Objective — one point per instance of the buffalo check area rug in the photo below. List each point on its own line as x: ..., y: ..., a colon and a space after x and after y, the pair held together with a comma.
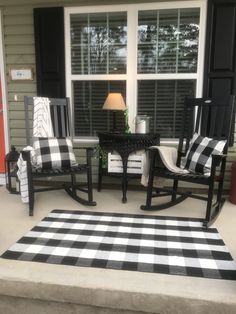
x: 156, y: 244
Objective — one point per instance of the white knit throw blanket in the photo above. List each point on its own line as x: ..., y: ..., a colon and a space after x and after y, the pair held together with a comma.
x: 42, y: 127
x: 169, y: 158
x: 42, y: 123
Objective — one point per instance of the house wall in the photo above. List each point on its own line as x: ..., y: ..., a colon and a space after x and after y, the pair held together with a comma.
x: 18, y: 38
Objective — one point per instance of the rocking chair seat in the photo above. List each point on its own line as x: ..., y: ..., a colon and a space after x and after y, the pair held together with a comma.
x: 201, y: 178
x: 39, y: 172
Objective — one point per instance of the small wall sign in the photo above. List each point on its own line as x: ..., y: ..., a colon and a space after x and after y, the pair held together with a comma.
x: 21, y: 74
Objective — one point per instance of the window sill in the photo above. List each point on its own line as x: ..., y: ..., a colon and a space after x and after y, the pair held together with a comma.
x: 94, y: 140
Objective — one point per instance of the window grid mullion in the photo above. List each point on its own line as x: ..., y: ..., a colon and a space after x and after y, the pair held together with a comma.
x: 177, y: 42
x: 157, y: 41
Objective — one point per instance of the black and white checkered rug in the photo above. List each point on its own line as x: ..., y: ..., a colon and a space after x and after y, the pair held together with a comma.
x: 169, y: 245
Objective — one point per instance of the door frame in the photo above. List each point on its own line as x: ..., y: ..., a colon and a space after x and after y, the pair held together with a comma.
x: 4, y: 96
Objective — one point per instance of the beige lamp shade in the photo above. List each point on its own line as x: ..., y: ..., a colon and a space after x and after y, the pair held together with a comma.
x: 114, y: 101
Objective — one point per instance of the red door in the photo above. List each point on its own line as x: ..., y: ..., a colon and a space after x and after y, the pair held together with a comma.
x: 2, y: 143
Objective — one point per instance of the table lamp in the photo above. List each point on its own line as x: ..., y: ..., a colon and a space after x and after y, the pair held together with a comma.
x: 114, y: 102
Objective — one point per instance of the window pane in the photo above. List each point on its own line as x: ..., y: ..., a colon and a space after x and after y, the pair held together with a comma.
x: 98, y: 43
x: 89, y: 97
x: 163, y: 100
x: 168, y: 41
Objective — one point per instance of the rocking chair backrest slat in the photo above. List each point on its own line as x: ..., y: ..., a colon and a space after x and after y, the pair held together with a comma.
x: 60, y: 116
x: 213, y: 122
x: 199, y: 113
x: 202, y: 128
x: 213, y: 118
x: 63, y: 122
x: 189, y: 126
x: 187, y: 131
x: 54, y: 118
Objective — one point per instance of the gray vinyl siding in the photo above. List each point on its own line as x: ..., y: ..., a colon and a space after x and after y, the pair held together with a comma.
x: 18, y: 36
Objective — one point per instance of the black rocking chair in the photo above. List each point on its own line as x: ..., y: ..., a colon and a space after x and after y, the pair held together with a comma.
x: 209, y: 118
x: 60, y: 116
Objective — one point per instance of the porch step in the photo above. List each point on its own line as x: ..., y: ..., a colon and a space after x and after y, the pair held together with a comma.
x: 26, y: 288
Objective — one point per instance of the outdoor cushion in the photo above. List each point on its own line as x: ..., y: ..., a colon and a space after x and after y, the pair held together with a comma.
x: 199, y: 155
x: 54, y: 153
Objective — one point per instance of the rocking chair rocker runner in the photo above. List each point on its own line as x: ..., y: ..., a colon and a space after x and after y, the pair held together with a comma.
x: 211, y: 121
x: 60, y: 118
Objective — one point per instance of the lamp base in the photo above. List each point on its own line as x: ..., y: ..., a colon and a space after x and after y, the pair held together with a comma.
x: 114, y: 130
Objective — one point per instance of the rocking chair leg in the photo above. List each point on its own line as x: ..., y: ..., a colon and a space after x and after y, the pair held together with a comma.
x: 89, y: 182
x: 149, y: 190
x: 31, y: 203
x: 220, y: 200
x: 209, y: 203
x: 175, y: 187
x: 150, y: 184
x: 220, y: 184
x: 73, y: 184
x: 218, y: 205
x: 219, y: 192
x: 30, y: 189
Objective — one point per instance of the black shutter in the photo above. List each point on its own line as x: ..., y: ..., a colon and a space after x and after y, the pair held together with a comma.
x: 220, y: 55
x: 49, y: 51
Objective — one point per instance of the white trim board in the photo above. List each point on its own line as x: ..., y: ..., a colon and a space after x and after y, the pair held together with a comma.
x: 3, y: 83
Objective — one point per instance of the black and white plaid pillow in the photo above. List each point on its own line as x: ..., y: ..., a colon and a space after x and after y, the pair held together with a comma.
x: 198, y: 158
x: 54, y: 153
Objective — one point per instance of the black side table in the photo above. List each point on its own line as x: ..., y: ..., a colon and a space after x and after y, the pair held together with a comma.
x: 124, y: 144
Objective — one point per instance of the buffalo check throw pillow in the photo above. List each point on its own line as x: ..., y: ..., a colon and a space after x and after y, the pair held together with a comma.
x: 54, y: 153
x: 199, y: 156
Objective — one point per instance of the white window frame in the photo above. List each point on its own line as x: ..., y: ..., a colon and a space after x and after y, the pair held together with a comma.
x: 4, y: 96
x: 131, y: 75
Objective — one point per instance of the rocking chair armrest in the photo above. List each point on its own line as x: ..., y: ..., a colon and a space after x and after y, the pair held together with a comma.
x: 89, y: 150
x: 153, y: 151
x: 26, y: 155
x: 152, y: 148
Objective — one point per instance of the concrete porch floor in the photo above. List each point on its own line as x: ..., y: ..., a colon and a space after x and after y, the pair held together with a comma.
x: 31, y: 287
